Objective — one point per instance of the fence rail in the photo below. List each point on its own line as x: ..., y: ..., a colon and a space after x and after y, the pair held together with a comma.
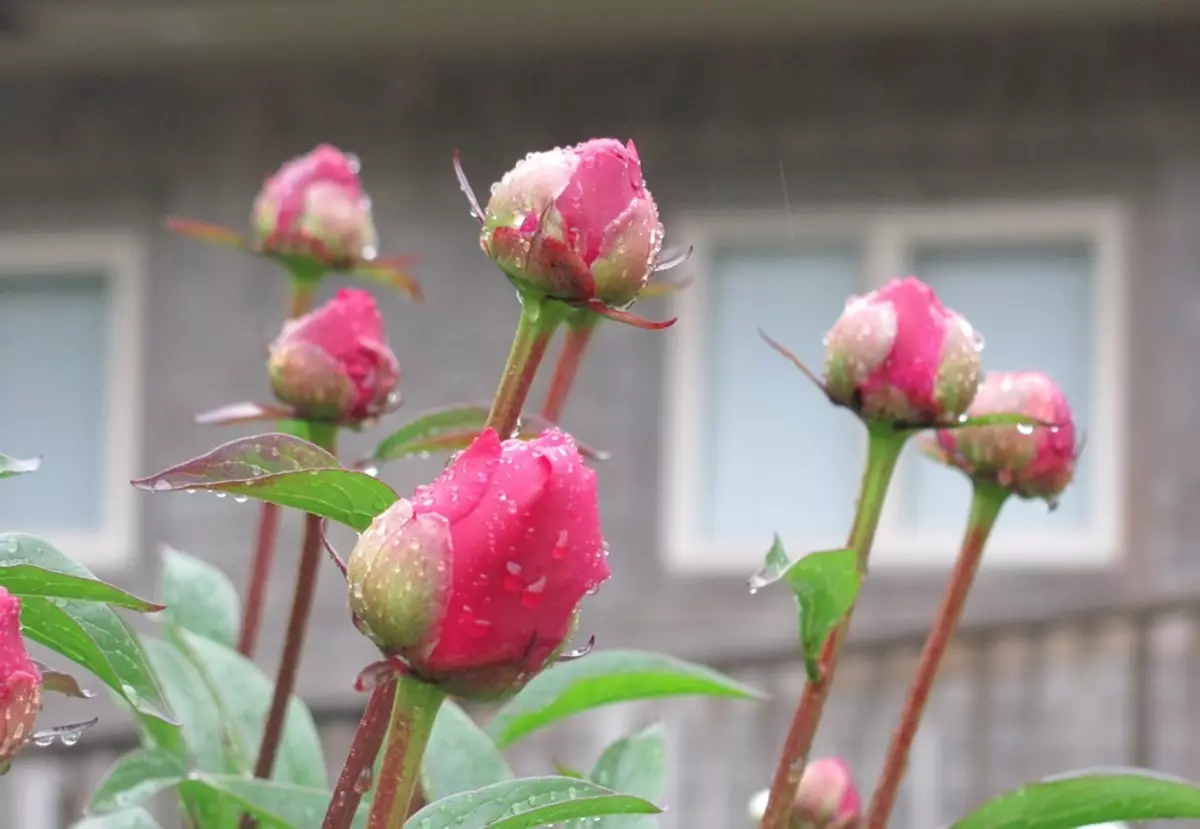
x: 1019, y: 698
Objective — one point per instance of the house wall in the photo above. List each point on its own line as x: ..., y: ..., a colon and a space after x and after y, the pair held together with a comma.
x: 1096, y: 112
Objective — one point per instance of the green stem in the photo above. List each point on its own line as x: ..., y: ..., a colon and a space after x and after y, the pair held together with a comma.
x: 580, y: 327
x: 539, y: 319
x: 987, y: 501
x: 884, y: 445
x: 300, y: 295
x: 413, y: 713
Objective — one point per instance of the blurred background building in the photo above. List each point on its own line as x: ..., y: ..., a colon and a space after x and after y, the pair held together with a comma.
x: 1038, y: 163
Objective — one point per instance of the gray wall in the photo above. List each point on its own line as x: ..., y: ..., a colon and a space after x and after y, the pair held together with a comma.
x: 1089, y: 113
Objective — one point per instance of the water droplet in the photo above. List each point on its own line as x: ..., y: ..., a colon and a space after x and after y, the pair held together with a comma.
x: 43, y: 740
x: 354, y: 163
x: 221, y: 494
x: 1025, y: 428
x: 161, y: 485
x: 373, y: 471
x: 363, y: 783
x: 190, y: 491
x: 513, y: 568
x: 241, y: 499
x: 70, y: 738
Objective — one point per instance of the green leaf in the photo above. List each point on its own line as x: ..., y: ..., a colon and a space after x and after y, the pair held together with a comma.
x: 605, y: 677
x: 127, y: 819
x: 137, y: 777
x: 199, y: 597
x: 202, y: 741
x: 1087, y: 799
x: 10, y: 466
x: 92, y: 636
x: 276, y: 805
x: 285, y: 470
x: 633, y: 765
x: 30, y: 566
x: 533, y: 801
x: 460, y: 756
x: 825, y: 584
x: 416, y: 436
x: 244, y: 695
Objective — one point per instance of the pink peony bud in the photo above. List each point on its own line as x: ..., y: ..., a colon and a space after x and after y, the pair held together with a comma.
x: 826, y: 797
x: 898, y: 355
x: 315, y: 207
x: 475, y: 584
x: 333, y: 363
x: 576, y: 224
x: 20, y: 682
x: 1032, y: 461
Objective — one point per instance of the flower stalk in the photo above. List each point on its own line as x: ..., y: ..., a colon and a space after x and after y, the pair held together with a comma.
x: 539, y: 319
x: 325, y: 436
x: 580, y: 327
x: 354, y: 781
x: 986, y: 503
x: 413, y: 713
x: 885, y: 443
x: 300, y: 298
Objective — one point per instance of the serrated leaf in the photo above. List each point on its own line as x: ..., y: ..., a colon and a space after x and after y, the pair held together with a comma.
x: 633, y: 765
x: 135, y: 778
x: 10, y: 466
x: 30, y: 566
x: 284, y: 470
x: 92, y: 636
x: 199, y: 597
x: 126, y: 819
x: 277, y: 805
x: 825, y: 585
x: 533, y: 801
x: 605, y: 677
x: 460, y: 756
x: 244, y: 694
x: 1087, y: 799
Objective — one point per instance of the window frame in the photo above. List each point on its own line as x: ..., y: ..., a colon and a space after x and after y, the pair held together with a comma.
x: 887, y: 237
x: 120, y: 257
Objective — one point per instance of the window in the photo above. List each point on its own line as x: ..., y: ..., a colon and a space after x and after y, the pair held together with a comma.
x: 751, y: 448
x: 70, y: 332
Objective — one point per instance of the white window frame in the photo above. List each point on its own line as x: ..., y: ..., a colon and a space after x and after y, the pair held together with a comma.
x: 886, y: 237
x: 119, y: 256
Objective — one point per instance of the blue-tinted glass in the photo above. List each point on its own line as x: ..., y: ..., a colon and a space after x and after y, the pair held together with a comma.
x: 53, y: 344
x: 779, y: 457
x: 1034, y: 305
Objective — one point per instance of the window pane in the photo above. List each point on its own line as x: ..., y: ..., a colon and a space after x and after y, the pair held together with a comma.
x: 779, y: 457
x: 52, y: 366
x: 1034, y: 304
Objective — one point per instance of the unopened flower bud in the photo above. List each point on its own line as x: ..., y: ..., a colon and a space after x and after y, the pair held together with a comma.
x: 20, y: 683
x: 334, y: 364
x: 315, y: 207
x: 826, y: 797
x: 1031, y: 461
x: 896, y: 354
x: 476, y: 582
x: 576, y: 223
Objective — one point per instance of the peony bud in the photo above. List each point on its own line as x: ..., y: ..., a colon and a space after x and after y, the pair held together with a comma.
x: 826, y: 797
x: 576, y: 224
x: 475, y: 584
x: 898, y: 355
x: 315, y: 206
x: 20, y: 683
x: 334, y: 364
x: 1032, y: 461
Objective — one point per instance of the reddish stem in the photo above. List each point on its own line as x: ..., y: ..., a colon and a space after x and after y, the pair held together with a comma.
x: 260, y: 569
x: 985, y: 508
x: 580, y: 327
x: 884, y: 447
x: 412, y: 717
x: 372, y: 728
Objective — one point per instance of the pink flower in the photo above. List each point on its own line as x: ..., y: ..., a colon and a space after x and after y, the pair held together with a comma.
x: 20, y: 682
x: 898, y: 355
x: 826, y: 796
x: 576, y: 224
x: 476, y: 582
x: 315, y: 207
x: 1032, y: 461
x: 334, y: 363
